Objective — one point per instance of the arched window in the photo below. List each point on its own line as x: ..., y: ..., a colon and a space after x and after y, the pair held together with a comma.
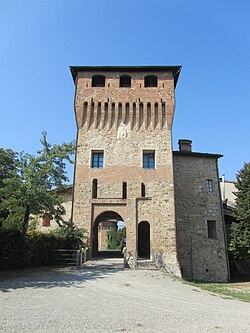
x: 94, y: 188
x: 124, y: 190
x: 143, y: 190
x: 125, y: 81
x: 98, y: 81
x: 150, y: 81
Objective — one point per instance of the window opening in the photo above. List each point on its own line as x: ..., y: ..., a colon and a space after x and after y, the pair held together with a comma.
x: 94, y: 188
x: 124, y: 190
x: 209, y: 185
x: 98, y: 81
x: 125, y: 81
x: 148, y: 159
x: 143, y: 190
x: 150, y: 81
x: 97, y: 159
x: 211, y: 229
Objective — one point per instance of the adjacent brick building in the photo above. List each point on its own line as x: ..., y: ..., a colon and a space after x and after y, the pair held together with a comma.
x: 126, y: 170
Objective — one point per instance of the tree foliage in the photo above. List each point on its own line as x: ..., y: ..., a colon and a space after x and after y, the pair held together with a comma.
x: 115, y: 238
x: 239, y: 245
x: 8, y: 161
x: 28, y: 183
x: 72, y: 235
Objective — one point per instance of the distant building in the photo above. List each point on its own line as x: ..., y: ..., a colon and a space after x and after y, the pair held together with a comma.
x: 227, y: 192
x: 45, y: 223
x: 103, y: 228
x: 228, y: 201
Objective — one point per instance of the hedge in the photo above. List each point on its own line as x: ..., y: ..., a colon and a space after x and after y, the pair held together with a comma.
x: 11, y: 249
x: 33, y: 251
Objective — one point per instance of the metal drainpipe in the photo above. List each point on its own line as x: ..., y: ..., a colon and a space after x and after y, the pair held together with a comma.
x: 136, y: 226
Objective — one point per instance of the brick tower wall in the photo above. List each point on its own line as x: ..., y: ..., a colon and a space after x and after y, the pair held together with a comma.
x: 122, y: 122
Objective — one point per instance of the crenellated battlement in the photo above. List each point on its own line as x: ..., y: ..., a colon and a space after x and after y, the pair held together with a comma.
x: 109, y: 115
x: 106, y: 98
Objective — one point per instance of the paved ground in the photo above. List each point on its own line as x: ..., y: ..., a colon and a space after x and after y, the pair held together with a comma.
x: 105, y: 263
x: 112, y: 300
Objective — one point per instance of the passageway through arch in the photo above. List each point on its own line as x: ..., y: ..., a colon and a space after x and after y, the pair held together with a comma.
x: 109, y: 235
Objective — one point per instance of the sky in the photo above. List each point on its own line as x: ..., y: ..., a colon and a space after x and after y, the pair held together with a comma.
x: 210, y: 39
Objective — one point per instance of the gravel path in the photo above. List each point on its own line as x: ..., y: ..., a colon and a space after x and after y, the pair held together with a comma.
x: 72, y: 300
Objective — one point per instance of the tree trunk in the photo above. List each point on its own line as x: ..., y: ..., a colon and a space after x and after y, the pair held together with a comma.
x: 26, y: 220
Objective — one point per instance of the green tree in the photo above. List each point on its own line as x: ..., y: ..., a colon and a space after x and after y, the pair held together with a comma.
x: 112, y: 238
x: 121, y: 234
x: 29, y: 188
x: 7, y: 165
x: 115, y: 238
x: 73, y: 236
x: 239, y: 245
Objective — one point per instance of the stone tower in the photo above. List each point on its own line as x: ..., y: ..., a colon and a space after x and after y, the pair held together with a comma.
x: 124, y: 162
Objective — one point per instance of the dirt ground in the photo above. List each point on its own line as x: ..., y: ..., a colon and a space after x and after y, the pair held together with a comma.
x: 99, y: 300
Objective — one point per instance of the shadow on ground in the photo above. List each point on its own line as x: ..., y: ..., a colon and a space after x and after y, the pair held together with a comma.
x: 48, y: 277
x: 240, y: 278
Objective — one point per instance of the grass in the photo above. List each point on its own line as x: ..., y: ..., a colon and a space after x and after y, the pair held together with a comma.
x: 240, y: 291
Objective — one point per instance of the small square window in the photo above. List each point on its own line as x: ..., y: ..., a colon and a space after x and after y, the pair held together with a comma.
x: 125, y: 81
x: 150, y: 81
x: 97, y: 159
x: 209, y: 185
x: 98, y: 81
x: 211, y: 229
x: 148, y: 159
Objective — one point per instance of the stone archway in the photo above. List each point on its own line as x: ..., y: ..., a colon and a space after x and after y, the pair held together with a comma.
x: 144, y: 240
x: 109, y: 218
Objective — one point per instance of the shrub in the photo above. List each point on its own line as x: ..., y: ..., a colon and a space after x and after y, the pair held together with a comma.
x: 72, y: 235
x: 16, y: 252
x: 11, y: 249
x: 37, y: 245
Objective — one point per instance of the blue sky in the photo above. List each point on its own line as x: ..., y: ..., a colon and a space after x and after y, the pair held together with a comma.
x: 210, y: 39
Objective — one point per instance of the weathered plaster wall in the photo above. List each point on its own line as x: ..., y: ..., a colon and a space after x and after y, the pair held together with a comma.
x: 67, y: 204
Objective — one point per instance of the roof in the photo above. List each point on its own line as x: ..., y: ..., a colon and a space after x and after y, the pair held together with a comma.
x: 174, y: 69
x: 230, y: 181
x: 194, y: 154
x: 66, y: 188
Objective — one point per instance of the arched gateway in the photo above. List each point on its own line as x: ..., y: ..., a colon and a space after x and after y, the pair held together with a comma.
x: 107, y: 225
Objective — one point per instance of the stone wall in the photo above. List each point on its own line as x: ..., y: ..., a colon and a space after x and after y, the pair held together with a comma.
x: 200, y: 257
x: 103, y: 227
x: 123, y: 122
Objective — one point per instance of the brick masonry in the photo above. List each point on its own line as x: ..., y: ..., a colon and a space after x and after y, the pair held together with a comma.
x: 123, y: 122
